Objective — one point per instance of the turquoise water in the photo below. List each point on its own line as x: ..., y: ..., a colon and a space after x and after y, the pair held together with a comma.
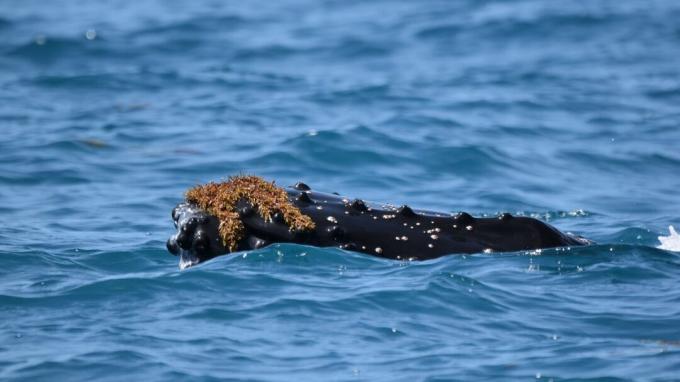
x: 564, y: 111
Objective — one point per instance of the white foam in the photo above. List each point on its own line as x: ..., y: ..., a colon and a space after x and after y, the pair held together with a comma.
x: 187, y: 259
x: 670, y: 242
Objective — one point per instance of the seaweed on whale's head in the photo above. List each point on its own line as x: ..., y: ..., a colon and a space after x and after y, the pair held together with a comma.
x: 211, y: 221
x: 221, y: 199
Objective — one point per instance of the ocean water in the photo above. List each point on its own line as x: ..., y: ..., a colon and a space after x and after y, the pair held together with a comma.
x: 566, y: 111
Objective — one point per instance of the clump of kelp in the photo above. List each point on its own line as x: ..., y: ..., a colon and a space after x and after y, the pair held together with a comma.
x: 220, y: 199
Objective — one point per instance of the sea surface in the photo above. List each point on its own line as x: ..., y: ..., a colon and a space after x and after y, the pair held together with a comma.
x: 566, y: 111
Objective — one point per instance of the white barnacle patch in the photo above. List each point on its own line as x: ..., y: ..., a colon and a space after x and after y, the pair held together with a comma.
x: 430, y: 245
x: 455, y: 226
x: 488, y: 250
x: 378, y: 250
x: 390, y: 216
x: 434, y: 237
x: 404, y: 238
x: 319, y: 208
x: 332, y: 219
x: 469, y: 228
x: 417, y: 223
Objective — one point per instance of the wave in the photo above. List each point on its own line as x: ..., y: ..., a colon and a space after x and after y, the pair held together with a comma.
x: 99, y: 269
x: 45, y: 50
x: 248, y: 304
x: 526, y: 26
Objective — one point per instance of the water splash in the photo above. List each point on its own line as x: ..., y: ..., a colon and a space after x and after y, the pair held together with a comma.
x: 670, y: 242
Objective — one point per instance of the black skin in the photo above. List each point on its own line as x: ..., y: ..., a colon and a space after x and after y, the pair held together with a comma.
x: 378, y: 230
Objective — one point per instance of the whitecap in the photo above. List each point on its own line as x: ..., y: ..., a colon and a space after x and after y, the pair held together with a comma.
x: 670, y: 242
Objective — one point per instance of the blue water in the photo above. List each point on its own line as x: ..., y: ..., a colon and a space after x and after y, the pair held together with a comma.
x: 565, y: 111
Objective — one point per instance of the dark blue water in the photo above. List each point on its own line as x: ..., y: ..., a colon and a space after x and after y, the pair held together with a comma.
x: 565, y: 111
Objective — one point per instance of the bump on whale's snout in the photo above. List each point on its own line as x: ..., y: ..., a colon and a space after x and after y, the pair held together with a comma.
x: 197, y: 238
x: 172, y: 246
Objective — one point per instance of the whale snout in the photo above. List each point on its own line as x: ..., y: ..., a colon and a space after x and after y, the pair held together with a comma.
x: 197, y: 238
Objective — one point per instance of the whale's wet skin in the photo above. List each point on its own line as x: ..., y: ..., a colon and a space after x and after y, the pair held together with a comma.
x: 356, y: 225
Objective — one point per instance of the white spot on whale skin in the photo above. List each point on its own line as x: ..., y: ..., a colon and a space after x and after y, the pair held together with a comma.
x: 332, y: 219
x: 670, y: 242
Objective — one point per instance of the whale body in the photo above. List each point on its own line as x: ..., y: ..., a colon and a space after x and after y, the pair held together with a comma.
x: 394, y: 232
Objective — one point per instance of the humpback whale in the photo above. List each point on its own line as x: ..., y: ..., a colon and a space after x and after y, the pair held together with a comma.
x: 247, y: 212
